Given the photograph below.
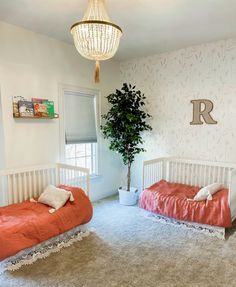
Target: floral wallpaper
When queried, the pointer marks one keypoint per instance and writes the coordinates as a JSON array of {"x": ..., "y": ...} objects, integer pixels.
[{"x": 170, "y": 81}]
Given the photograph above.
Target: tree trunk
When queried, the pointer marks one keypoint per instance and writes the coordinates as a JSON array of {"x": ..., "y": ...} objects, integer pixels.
[{"x": 128, "y": 177}]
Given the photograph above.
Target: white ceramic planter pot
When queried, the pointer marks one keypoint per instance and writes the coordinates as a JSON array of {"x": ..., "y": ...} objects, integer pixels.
[{"x": 128, "y": 197}]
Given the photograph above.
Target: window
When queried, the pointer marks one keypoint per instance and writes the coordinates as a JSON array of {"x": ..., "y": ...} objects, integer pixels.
[
  {"x": 84, "y": 154},
  {"x": 81, "y": 130}
]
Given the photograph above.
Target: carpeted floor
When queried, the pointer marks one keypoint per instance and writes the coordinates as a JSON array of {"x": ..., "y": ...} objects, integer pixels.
[{"x": 128, "y": 249}]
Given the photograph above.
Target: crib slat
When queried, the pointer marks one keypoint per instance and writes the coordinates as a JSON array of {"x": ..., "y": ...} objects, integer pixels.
[
  {"x": 200, "y": 175},
  {"x": 224, "y": 171},
  {"x": 25, "y": 187},
  {"x": 30, "y": 185},
  {"x": 209, "y": 175},
  {"x": 190, "y": 174},
  {"x": 155, "y": 173},
  {"x": 229, "y": 176},
  {"x": 218, "y": 174},
  {"x": 186, "y": 177},
  {"x": 70, "y": 175},
  {"x": 39, "y": 175},
  {"x": 34, "y": 184},
  {"x": 151, "y": 173},
  {"x": 176, "y": 172},
  {"x": 194, "y": 174},
  {"x": 203, "y": 175},
  {"x": 14, "y": 189},
  {"x": 172, "y": 172},
  {"x": 43, "y": 178},
  {"x": 20, "y": 187},
  {"x": 81, "y": 179},
  {"x": 161, "y": 173},
  {"x": 214, "y": 174},
  {"x": 64, "y": 175},
  {"x": 77, "y": 176},
  {"x": 53, "y": 176},
  {"x": 10, "y": 193},
  {"x": 148, "y": 172},
  {"x": 198, "y": 181},
  {"x": 191, "y": 171},
  {"x": 47, "y": 177},
  {"x": 183, "y": 173}
]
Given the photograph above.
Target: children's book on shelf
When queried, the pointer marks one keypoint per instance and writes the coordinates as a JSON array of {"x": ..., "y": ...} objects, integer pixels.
[
  {"x": 40, "y": 110},
  {"x": 26, "y": 109},
  {"x": 38, "y": 100},
  {"x": 15, "y": 101},
  {"x": 50, "y": 108}
]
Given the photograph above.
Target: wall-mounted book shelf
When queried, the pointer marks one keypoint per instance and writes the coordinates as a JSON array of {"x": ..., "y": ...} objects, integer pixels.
[
  {"x": 37, "y": 108},
  {"x": 56, "y": 116}
]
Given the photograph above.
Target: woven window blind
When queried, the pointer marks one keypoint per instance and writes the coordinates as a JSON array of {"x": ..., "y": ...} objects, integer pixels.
[{"x": 80, "y": 120}]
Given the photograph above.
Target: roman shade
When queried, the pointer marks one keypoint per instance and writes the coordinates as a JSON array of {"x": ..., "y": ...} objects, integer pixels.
[{"x": 80, "y": 121}]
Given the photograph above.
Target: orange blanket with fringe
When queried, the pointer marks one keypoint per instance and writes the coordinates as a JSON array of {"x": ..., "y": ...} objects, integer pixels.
[
  {"x": 26, "y": 224},
  {"x": 170, "y": 199}
]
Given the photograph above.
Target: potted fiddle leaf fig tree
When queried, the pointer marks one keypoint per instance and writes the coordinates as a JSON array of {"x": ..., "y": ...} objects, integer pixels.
[{"x": 123, "y": 126}]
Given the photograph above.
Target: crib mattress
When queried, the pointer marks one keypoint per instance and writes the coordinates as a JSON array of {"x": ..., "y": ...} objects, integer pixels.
[
  {"x": 27, "y": 224},
  {"x": 170, "y": 199}
]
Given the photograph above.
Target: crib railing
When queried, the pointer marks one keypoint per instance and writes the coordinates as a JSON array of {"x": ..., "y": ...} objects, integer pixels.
[
  {"x": 153, "y": 171},
  {"x": 74, "y": 176},
  {"x": 196, "y": 173},
  {"x": 199, "y": 173},
  {"x": 17, "y": 185}
]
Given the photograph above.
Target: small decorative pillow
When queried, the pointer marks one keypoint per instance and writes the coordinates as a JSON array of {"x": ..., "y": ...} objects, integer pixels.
[
  {"x": 55, "y": 197},
  {"x": 207, "y": 191}
]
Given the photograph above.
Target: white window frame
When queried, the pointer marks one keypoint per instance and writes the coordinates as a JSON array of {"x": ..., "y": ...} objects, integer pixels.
[
  {"x": 63, "y": 89},
  {"x": 92, "y": 156}
]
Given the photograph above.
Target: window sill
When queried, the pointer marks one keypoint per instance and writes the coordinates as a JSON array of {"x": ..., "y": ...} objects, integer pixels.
[{"x": 95, "y": 176}]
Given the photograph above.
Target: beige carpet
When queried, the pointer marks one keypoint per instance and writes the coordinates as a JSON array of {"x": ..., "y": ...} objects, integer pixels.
[{"x": 130, "y": 250}]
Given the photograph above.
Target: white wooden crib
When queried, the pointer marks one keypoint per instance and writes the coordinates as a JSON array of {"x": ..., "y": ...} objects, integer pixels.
[
  {"x": 192, "y": 172},
  {"x": 17, "y": 185}
]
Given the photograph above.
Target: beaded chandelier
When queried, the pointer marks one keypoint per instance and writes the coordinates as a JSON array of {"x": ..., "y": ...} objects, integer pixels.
[{"x": 96, "y": 37}]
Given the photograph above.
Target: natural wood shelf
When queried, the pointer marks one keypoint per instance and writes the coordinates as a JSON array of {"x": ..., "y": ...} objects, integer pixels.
[{"x": 56, "y": 116}]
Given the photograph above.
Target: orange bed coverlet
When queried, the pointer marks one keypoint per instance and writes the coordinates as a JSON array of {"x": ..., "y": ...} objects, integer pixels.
[
  {"x": 170, "y": 199},
  {"x": 27, "y": 224}
]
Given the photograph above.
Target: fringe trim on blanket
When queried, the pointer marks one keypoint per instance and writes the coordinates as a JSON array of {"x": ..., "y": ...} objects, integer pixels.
[
  {"x": 208, "y": 230},
  {"x": 44, "y": 249}
]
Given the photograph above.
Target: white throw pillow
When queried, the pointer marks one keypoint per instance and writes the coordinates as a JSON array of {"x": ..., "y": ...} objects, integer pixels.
[
  {"x": 55, "y": 197},
  {"x": 207, "y": 191}
]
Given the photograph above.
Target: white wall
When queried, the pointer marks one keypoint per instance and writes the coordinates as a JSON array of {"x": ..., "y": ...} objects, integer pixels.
[
  {"x": 33, "y": 65},
  {"x": 170, "y": 81}
]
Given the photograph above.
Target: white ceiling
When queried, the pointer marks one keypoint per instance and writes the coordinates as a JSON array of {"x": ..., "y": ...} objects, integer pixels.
[{"x": 149, "y": 26}]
